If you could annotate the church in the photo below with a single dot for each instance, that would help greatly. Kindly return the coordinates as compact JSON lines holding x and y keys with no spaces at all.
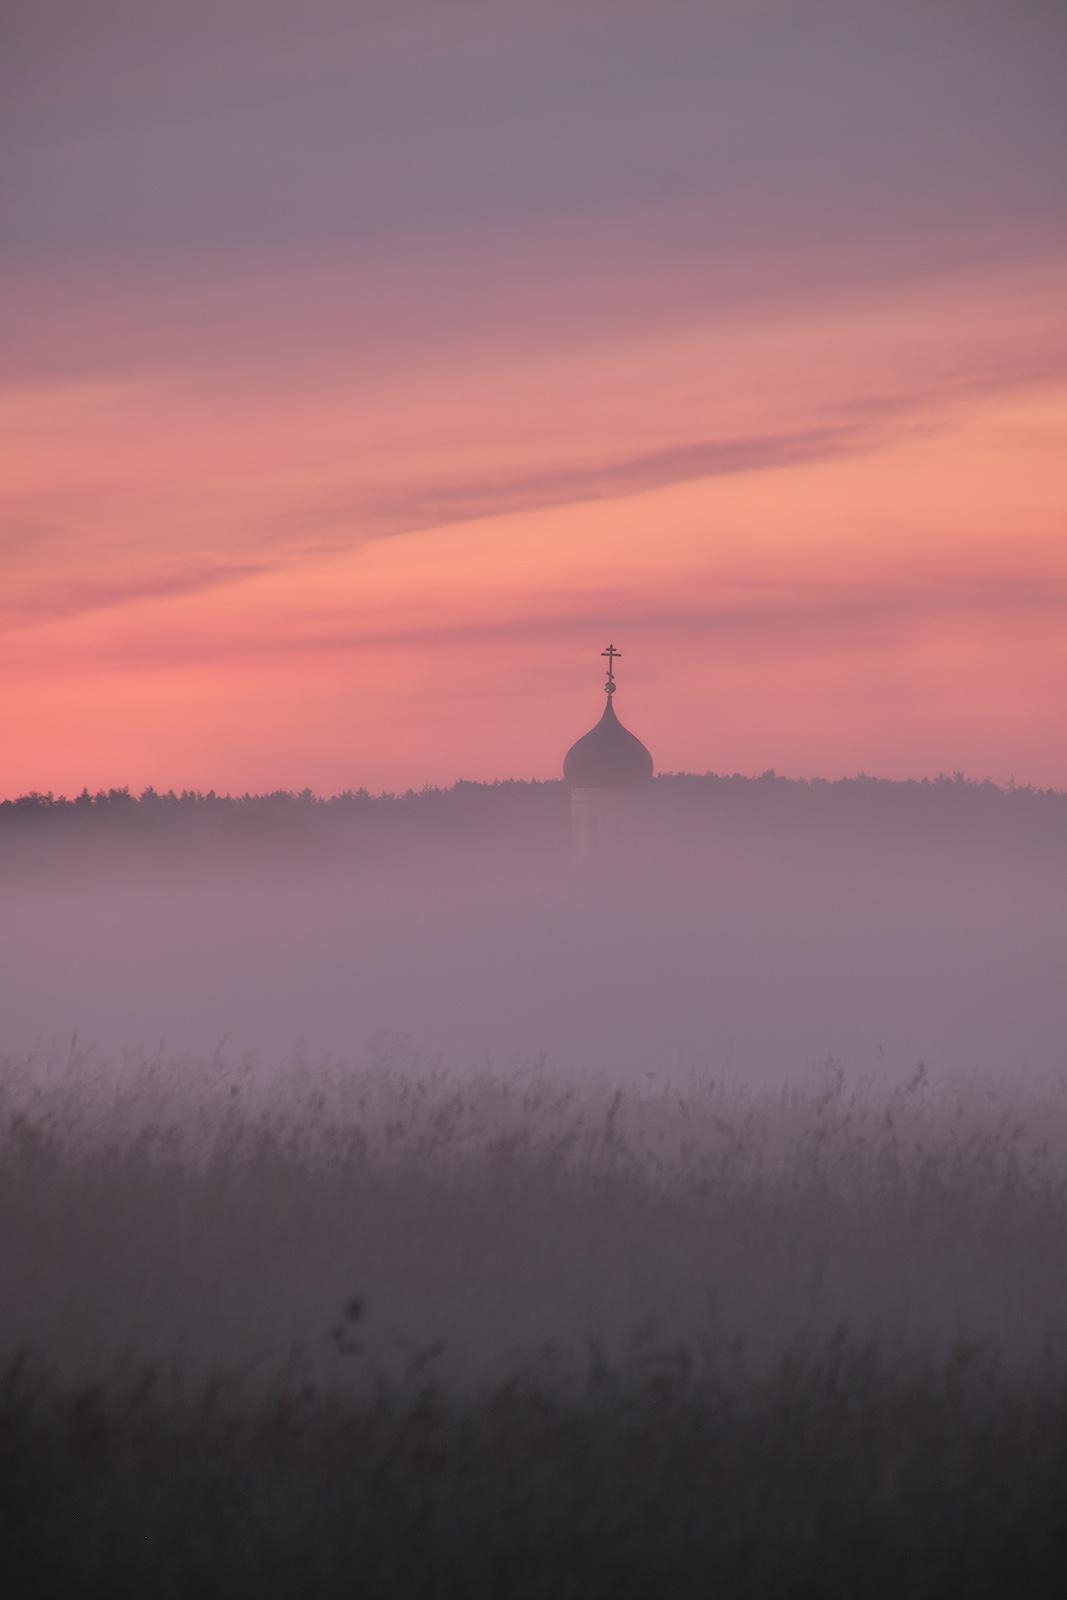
{"x":608,"y":771}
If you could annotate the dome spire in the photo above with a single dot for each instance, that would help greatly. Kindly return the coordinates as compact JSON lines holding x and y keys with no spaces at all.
{"x":609,"y":755}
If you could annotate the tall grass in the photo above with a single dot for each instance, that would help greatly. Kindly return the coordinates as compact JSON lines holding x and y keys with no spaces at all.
{"x":839,"y":1474}
{"x":388,"y":1329}
{"x":215,"y":1213}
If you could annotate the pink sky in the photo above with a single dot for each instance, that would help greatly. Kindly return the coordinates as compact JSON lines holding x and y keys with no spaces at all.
{"x":363,"y":385}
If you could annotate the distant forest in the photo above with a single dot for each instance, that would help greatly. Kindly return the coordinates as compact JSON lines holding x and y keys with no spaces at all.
{"x":33,"y":823}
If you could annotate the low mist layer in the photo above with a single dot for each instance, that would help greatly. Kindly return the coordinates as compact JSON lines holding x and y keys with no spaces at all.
{"x":744,"y":929}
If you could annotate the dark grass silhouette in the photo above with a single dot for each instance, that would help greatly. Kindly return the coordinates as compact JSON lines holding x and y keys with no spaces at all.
{"x":836,"y":1474}
{"x":391,"y":1331}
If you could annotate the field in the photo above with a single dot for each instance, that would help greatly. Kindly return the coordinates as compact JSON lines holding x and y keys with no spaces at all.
{"x":386,"y":1329}
{"x":391,"y":1206}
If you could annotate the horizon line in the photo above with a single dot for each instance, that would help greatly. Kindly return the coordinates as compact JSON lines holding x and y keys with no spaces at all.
{"x":48,"y":797}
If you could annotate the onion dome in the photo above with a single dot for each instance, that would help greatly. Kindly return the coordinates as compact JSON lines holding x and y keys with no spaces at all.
{"x":608,"y":755}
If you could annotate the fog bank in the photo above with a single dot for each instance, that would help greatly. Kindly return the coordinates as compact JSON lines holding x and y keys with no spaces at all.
{"x":742,"y":930}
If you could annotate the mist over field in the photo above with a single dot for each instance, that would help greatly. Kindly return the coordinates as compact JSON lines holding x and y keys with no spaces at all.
{"x":381,"y":1172}
{"x":746,"y":930}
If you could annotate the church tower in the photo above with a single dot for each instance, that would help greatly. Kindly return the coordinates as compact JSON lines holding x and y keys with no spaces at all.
{"x":608,"y":770}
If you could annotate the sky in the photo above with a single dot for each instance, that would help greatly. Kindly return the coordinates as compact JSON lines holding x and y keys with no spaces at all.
{"x":368,"y":367}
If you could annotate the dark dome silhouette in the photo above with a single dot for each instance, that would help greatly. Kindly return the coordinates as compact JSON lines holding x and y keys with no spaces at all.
{"x":609,"y":754}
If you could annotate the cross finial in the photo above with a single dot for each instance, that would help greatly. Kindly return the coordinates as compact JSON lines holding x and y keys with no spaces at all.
{"x":611,"y":653}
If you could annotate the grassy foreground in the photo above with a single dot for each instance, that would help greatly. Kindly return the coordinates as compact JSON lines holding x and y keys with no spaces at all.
{"x":835,"y":1475}
{"x":504,"y":1337}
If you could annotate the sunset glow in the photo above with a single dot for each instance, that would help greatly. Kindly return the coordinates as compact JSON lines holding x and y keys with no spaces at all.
{"x":340,"y":436}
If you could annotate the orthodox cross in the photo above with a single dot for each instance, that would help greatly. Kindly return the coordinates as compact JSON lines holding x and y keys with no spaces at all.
{"x":611,"y":653}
